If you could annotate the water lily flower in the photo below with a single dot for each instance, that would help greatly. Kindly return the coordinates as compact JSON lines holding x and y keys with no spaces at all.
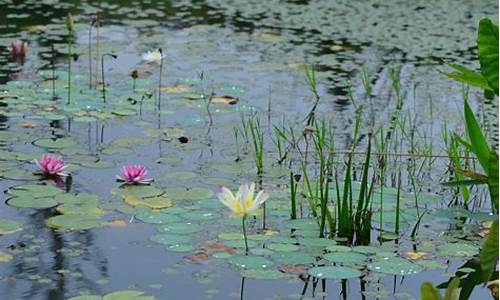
{"x":154,"y":56}
{"x":51,"y":165}
{"x":243,"y":203}
{"x":18,"y":48}
{"x":134,"y":174}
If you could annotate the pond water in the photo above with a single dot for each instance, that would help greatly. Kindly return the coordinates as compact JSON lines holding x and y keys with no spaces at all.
{"x":92,"y":237}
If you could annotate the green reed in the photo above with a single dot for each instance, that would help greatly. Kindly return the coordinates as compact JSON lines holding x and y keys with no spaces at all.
{"x":257,"y":136}
{"x":293,"y":196}
{"x":313,"y":86}
{"x":69,"y":26}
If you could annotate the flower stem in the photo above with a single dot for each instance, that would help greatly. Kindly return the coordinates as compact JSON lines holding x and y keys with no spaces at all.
{"x":243,"y":224}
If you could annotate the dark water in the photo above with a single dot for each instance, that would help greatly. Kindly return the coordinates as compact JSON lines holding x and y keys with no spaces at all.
{"x":253,"y":50}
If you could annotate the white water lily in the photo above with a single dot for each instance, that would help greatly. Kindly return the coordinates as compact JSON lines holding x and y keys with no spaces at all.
{"x":243,"y":203}
{"x":154,"y":56}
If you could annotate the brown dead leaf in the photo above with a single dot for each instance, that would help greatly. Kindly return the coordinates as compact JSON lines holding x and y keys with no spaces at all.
{"x":117,"y":223}
{"x":224,"y":100}
{"x":180,"y":88}
{"x":218,"y":247}
{"x":493,"y":286}
{"x":48,"y":109}
{"x":294,"y":269}
{"x":270,"y":232}
{"x":485,"y":229}
{"x":197,"y":257}
{"x":416,"y":255}
{"x":28,"y":124}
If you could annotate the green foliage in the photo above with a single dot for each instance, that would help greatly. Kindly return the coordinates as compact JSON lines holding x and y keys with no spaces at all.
{"x":489,"y":253}
{"x":487,"y":43}
{"x":487,"y":47}
{"x":477,"y":140}
{"x":429,"y":292}
{"x":467,"y":76}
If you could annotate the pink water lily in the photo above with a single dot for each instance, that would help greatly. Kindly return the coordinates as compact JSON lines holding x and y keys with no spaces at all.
{"x":18,"y":48}
{"x":51,"y":165}
{"x":134,"y":174}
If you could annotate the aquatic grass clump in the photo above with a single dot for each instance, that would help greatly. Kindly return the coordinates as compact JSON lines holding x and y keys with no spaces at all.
{"x":134,"y":174}
{"x":258,"y":143}
{"x":243,"y":204}
{"x":51,"y":165}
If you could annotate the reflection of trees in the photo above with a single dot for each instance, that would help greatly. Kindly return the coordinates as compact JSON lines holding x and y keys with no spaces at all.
{"x":48,"y":267}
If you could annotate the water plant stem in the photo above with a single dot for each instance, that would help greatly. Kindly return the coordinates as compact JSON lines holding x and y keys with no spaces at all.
{"x":97,"y":53}
{"x":293,"y":196}
{"x":53,"y":67}
{"x":102,"y":72}
{"x":70,"y":57}
{"x":244,"y":228}
{"x":159,"y":79}
{"x":90,"y":52}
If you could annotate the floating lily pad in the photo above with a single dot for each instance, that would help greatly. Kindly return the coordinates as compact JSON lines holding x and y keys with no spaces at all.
{"x":88,"y":209}
{"x":86,"y":297}
{"x":127,"y":295}
{"x":170,"y":239}
{"x":334,"y":272}
{"x":158,"y":202}
{"x":457,"y":250}
{"x":180,"y":228}
{"x":56,"y":143}
{"x":157,"y":217}
{"x":292,"y":258}
{"x":139,"y":191}
{"x":394,"y":266}
{"x":262,"y":274}
{"x":8,"y":226}
{"x":31,"y":202}
{"x":345,"y":257}
{"x":250,"y":262}
{"x":34,"y":190}
{"x":77,"y":198}
{"x":283,"y":247}
{"x":73,"y":222}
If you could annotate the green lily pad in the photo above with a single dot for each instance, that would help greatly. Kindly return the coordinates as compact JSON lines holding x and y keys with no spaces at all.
{"x":292,"y":258}
{"x":73,"y":222}
{"x":86,"y":297}
{"x":138,"y":191}
{"x":394,"y":266}
{"x":170,"y":239}
{"x":457,"y":250}
{"x":56,"y":143}
{"x":250,"y":262}
{"x":157,"y":217}
{"x":180,"y":228}
{"x":283,"y":247}
{"x":157,"y":202}
{"x":345,"y":257}
{"x":31,"y":202}
{"x":87,"y":209}
{"x":262,"y":274}
{"x":8,"y":226}
{"x":34,"y":190}
{"x":127,"y":295}
{"x":77,"y":198}
{"x":328,"y":272}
